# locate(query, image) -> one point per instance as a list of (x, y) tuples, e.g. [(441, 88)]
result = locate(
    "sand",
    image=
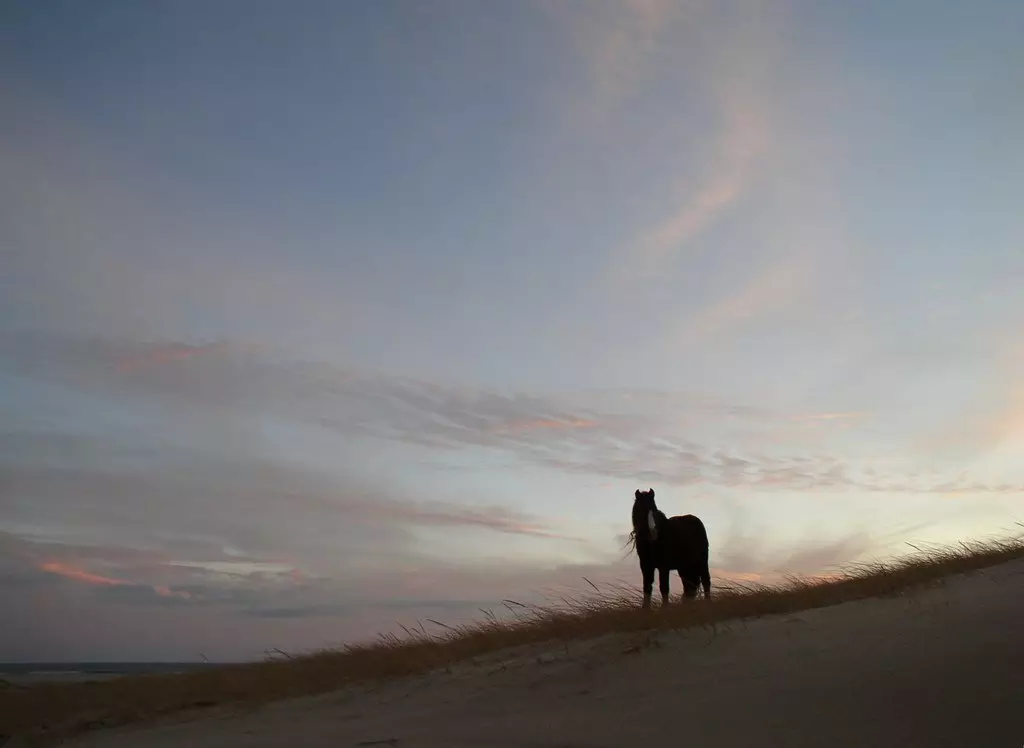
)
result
[(942, 666)]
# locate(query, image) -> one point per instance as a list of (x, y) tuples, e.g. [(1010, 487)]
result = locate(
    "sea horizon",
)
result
[(29, 673)]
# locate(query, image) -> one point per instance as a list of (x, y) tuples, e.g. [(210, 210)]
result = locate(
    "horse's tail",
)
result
[(703, 532)]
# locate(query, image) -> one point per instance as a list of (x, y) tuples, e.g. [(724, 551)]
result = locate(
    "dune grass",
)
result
[(47, 712)]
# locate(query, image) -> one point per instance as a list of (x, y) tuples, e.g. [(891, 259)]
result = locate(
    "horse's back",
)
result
[(690, 537)]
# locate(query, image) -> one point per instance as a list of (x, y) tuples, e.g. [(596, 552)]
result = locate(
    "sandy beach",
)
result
[(942, 666)]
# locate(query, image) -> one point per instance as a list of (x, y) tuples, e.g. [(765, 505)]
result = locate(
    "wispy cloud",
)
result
[(78, 575), (621, 39), (848, 416), (742, 139), (204, 498), (764, 292), (675, 439), (729, 157), (991, 420), (82, 576), (546, 423), (167, 354)]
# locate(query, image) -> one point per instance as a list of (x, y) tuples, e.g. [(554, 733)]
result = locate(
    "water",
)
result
[(29, 673)]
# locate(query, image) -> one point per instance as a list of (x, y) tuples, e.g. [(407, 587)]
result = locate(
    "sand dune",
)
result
[(942, 666)]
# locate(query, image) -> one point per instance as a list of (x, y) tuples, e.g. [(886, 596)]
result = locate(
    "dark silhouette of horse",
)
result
[(669, 543)]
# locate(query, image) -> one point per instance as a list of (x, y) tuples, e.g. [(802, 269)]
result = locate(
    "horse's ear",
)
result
[(637, 493), (651, 492)]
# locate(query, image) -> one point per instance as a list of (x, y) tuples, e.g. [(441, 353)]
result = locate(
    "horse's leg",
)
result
[(705, 580), (689, 583), (647, 569), (664, 574)]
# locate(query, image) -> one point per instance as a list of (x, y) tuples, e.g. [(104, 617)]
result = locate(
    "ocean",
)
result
[(29, 673)]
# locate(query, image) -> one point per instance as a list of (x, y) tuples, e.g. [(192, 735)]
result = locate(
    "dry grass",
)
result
[(50, 711)]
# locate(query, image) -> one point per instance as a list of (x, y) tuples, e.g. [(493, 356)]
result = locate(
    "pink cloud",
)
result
[(79, 575), (736, 576), (774, 288), (168, 353), (992, 422), (82, 576), (742, 140), (499, 521), (744, 137), (165, 591), (828, 416), (543, 423)]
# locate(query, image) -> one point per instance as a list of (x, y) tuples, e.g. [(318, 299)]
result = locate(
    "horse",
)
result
[(669, 543)]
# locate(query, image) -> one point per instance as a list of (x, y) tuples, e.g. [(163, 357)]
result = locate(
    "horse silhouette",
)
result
[(669, 543)]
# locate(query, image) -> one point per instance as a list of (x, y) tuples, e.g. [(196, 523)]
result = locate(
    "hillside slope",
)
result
[(937, 666)]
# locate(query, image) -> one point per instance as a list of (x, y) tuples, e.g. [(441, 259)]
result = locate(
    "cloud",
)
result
[(238, 568), (143, 594), (91, 241), (744, 549), (167, 354), (259, 589), (125, 589), (734, 86), (546, 423), (852, 415), (162, 590), (736, 164), (497, 519), (240, 503), (643, 436), (619, 41), (991, 420), (778, 286), (79, 575), (303, 611), (741, 140)]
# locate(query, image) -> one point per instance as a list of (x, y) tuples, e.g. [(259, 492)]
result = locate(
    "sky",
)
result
[(319, 318)]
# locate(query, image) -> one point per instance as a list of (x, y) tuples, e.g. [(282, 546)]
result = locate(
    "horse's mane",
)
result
[(630, 544)]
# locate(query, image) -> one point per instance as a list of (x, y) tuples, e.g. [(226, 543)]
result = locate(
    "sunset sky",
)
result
[(318, 317)]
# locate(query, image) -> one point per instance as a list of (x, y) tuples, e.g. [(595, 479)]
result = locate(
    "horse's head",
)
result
[(644, 515)]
